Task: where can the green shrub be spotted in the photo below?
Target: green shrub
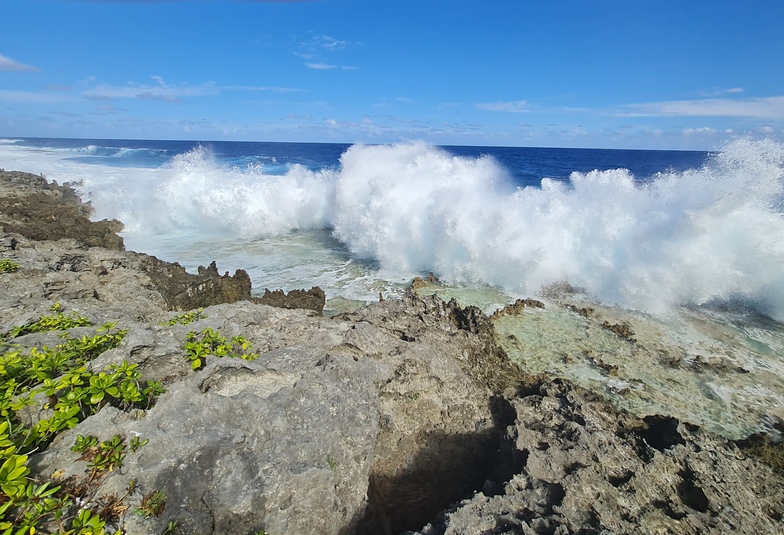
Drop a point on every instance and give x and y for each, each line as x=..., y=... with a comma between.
x=59, y=377
x=213, y=343
x=187, y=317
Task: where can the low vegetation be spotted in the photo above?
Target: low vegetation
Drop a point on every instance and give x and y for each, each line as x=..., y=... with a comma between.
x=8, y=266
x=211, y=343
x=45, y=391
x=57, y=383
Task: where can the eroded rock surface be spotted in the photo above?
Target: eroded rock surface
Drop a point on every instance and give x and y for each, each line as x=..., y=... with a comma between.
x=580, y=466
x=39, y=210
x=313, y=299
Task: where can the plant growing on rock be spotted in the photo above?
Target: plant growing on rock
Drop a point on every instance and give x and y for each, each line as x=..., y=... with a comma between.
x=57, y=379
x=153, y=504
x=56, y=322
x=213, y=343
x=188, y=317
x=8, y=266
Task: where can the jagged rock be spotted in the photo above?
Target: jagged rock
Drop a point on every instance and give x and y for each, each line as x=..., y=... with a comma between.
x=517, y=308
x=339, y=426
x=38, y=210
x=620, y=329
x=185, y=291
x=585, y=312
x=581, y=466
x=419, y=282
x=313, y=299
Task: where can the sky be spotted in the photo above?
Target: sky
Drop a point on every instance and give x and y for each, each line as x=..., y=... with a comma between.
x=651, y=74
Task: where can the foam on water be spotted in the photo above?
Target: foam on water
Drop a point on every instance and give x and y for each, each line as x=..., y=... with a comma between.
x=715, y=233
x=692, y=237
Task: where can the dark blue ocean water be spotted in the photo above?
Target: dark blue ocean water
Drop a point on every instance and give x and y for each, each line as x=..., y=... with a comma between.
x=527, y=166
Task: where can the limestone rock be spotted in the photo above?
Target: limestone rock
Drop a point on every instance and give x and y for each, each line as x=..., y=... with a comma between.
x=313, y=299
x=38, y=210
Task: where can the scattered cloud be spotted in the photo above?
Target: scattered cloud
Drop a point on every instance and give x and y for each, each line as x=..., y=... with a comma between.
x=315, y=49
x=515, y=106
x=382, y=102
x=58, y=88
x=65, y=114
x=165, y=92
x=31, y=97
x=320, y=66
x=699, y=131
x=323, y=42
x=329, y=66
x=723, y=91
x=271, y=89
x=760, y=108
x=162, y=91
x=300, y=117
x=766, y=129
x=106, y=110
x=328, y=43
x=10, y=65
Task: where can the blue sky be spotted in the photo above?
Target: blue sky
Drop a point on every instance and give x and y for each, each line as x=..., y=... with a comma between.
x=679, y=74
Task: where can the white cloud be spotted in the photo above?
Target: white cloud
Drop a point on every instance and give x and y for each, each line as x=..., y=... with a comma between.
x=172, y=93
x=760, y=108
x=699, y=131
x=10, y=65
x=766, y=130
x=29, y=97
x=320, y=66
x=271, y=89
x=162, y=91
x=331, y=44
x=515, y=106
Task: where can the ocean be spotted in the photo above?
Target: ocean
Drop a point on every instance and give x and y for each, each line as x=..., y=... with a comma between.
x=687, y=246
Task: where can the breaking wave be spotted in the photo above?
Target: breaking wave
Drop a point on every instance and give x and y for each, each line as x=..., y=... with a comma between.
x=692, y=237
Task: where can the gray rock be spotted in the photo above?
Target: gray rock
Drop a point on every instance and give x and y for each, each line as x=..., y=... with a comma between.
x=404, y=415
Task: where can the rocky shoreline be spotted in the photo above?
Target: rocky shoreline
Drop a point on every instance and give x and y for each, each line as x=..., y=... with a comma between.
x=404, y=416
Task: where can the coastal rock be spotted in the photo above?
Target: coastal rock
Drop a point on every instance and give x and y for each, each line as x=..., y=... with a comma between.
x=517, y=307
x=185, y=291
x=580, y=466
x=39, y=210
x=340, y=426
x=313, y=299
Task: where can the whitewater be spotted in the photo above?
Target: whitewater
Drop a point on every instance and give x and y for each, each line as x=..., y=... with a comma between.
x=688, y=251
x=713, y=233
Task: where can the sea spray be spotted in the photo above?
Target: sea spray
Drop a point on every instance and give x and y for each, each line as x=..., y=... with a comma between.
x=681, y=238
x=713, y=233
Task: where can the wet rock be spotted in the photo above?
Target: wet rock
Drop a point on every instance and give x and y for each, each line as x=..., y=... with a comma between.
x=38, y=210
x=419, y=282
x=517, y=308
x=620, y=329
x=585, y=312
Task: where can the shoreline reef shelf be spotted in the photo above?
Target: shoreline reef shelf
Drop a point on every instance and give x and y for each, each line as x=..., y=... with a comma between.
x=404, y=416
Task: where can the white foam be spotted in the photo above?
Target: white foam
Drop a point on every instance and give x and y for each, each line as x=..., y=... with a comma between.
x=684, y=238
x=713, y=233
